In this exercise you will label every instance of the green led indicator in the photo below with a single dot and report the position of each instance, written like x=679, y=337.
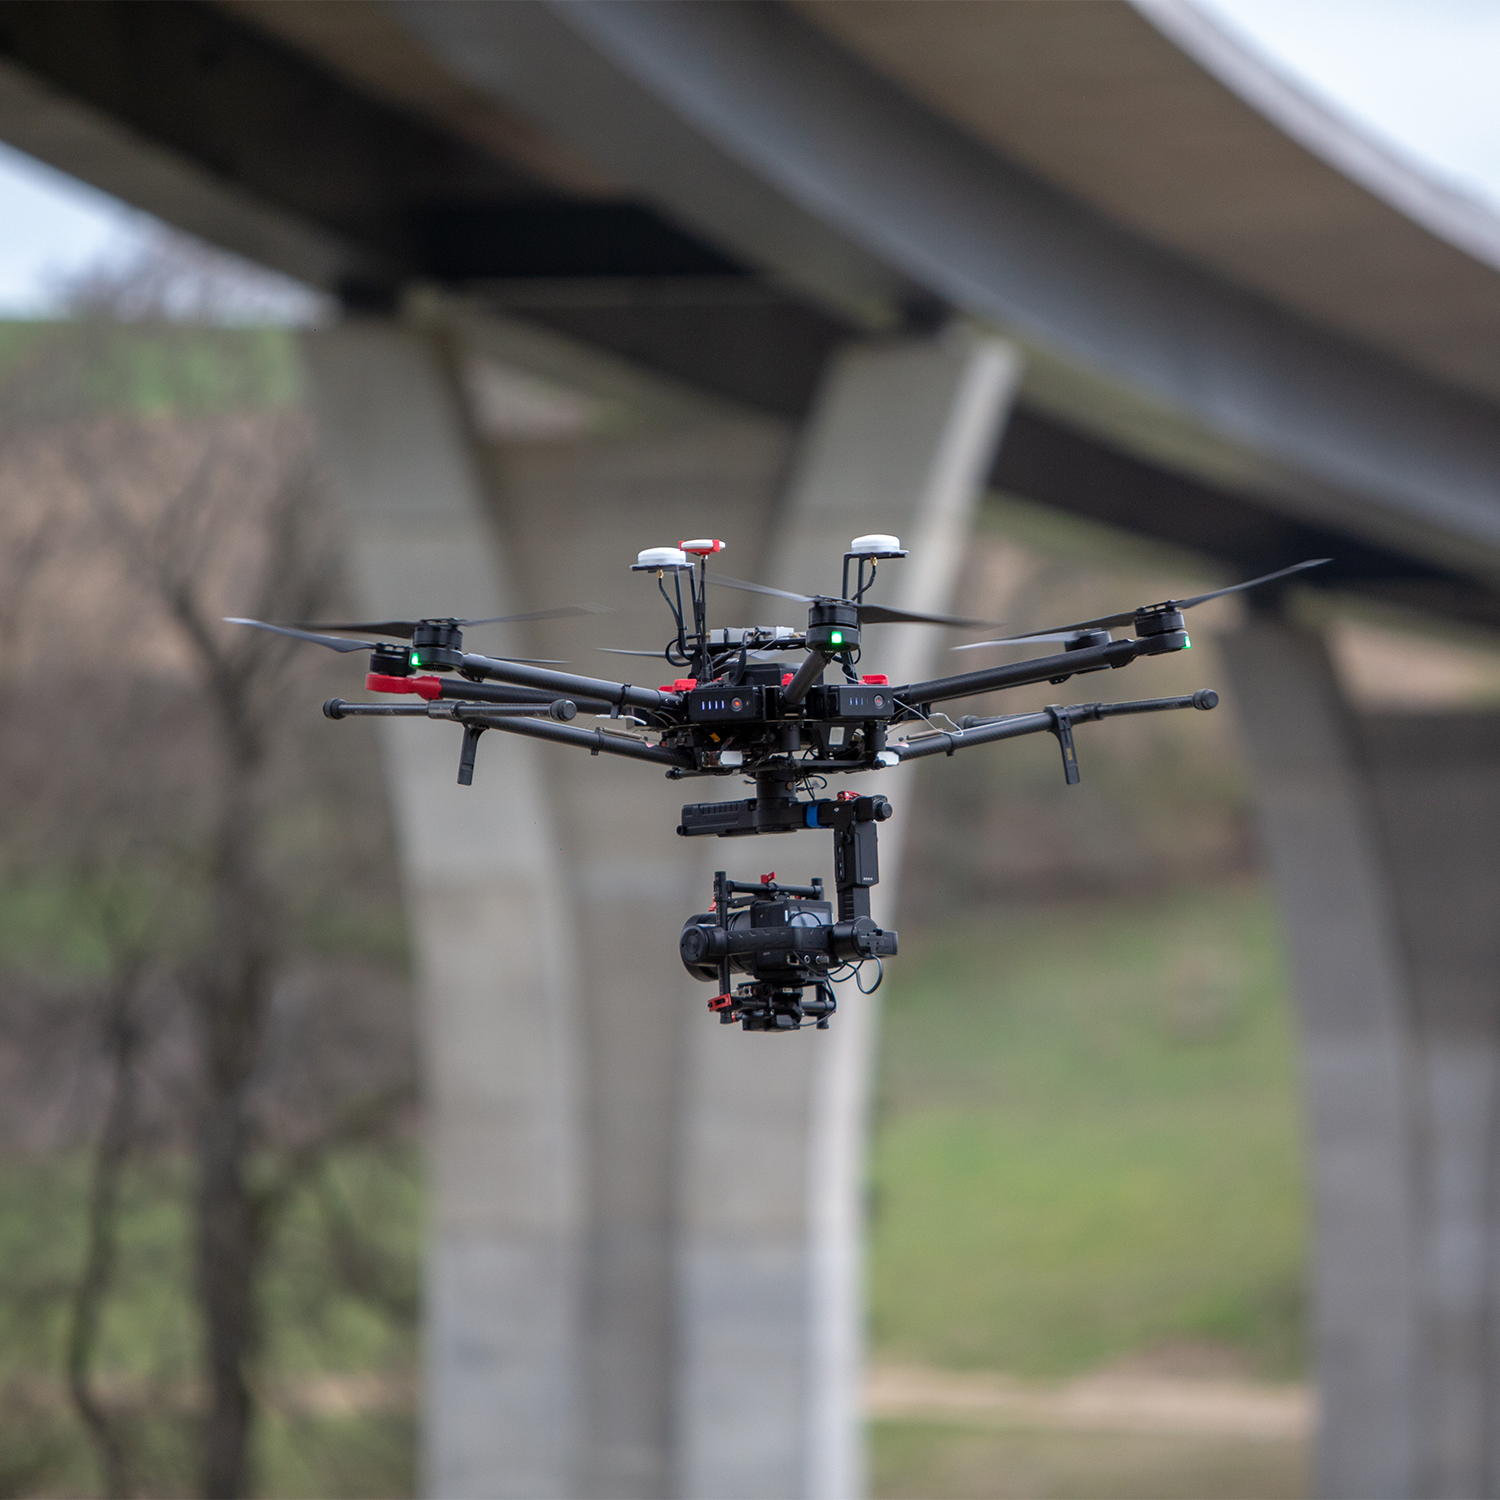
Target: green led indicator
x=416, y=660
x=837, y=638
x=1187, y=643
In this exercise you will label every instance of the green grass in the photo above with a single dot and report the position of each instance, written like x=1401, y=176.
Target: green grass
x=61, y=929
x=1087, y=1140
x=51, y=927
x=367, y=1455
x=929, y=1459
x=70, y=368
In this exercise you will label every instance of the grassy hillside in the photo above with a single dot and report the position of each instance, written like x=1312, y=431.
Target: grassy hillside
x=1087, y=1149
x=1088, y=1139
x=931, y=1460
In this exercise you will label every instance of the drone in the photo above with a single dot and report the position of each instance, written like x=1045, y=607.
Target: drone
x=752, y=702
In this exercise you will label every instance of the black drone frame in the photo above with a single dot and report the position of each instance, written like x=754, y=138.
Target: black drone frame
x=740, y=715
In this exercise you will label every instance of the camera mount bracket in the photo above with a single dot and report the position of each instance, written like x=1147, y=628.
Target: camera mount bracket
x=851, y=818
x=793, y=948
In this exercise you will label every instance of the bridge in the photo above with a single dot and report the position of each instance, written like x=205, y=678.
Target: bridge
x=850, y=268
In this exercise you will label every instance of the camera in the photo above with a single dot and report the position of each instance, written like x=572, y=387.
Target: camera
x=785, y=939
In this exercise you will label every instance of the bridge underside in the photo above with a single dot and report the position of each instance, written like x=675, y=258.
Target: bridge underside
x=245, y=124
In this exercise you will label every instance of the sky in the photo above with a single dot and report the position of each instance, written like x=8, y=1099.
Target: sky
x=1419, y=75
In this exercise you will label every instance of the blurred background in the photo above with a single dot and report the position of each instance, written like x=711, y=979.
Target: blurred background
x=1088, y=1190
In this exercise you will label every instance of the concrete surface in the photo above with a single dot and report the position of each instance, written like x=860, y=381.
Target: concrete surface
x=1384, y=835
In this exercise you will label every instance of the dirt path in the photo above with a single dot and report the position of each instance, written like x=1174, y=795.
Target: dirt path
x=1121, y=1400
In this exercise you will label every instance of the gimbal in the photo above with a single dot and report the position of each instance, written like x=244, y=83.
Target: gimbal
x=785, y=937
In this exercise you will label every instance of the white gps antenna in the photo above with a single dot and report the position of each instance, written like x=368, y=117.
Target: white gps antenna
x=869, y=549
x=661, y=560
x=876, y=544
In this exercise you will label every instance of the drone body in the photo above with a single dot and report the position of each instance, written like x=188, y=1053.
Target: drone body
x=751, y=702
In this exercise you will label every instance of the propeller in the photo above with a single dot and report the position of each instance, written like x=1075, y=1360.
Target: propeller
x=339, y=643
x=333, y=642
x=1106, y=622
x=869, y=614
x=1041, y=635
x=405, y=629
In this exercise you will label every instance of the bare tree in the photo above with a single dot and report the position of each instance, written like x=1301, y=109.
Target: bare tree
x=161, y=527
x=133, y=534
x=120, y=1026
x=179, y=547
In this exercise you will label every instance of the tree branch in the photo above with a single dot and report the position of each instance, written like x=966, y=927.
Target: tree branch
x=111, y=1154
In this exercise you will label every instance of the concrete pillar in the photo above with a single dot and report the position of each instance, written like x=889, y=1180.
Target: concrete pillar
x=1384, y=836
x=644, y=1274
x=1436, y=785
x=490, y=918
x=578, y=514
x=899, y=441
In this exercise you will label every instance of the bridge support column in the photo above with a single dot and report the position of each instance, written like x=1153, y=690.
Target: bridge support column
x=1384, y=836
x=490, y=917
x=645, y=1241
x=899, y=441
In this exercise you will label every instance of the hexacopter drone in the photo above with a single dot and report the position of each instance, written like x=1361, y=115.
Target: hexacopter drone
x=738, y=711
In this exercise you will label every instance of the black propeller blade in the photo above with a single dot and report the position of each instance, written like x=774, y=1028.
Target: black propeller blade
x=869, y=614
x=761, y=588
x=333, y=642
x=1016, y=640
x=405, y=629
x=339, y=643
x=1252, y=583
x=878, y=614
x=1106, y=622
